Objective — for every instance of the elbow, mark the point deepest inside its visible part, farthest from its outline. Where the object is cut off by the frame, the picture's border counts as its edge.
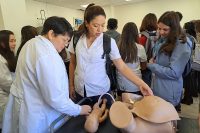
(176, 75)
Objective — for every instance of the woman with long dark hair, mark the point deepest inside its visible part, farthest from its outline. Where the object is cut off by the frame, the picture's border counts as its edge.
(27, 32)
(7, 66)
(147, 38)
(172, 52)
(133, 54)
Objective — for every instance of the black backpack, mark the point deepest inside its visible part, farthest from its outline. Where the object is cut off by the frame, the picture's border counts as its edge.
(188, 66)
(110, 67)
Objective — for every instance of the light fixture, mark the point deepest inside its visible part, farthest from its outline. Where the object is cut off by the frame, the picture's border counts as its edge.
(84, 6)
(127, 0)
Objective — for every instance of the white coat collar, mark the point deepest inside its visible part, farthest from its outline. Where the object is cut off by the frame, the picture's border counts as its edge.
(50, 44)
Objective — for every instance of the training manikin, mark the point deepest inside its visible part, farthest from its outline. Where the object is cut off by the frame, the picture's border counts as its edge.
(151, 115)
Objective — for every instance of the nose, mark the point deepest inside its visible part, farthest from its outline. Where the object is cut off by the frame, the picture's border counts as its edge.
(98, 29)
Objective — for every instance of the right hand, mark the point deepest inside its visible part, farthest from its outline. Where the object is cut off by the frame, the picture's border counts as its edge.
(85, 110)
(146, 90)
(72, 93)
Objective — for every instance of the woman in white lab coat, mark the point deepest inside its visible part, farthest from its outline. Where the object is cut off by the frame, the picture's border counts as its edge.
(39, 93)
(7, 67)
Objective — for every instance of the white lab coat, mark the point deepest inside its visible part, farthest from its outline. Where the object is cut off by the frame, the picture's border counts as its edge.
(5, 83)
(39, 93)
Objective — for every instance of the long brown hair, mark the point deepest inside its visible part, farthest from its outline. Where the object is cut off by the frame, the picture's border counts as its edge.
(197, 26)
(149, 23)
(5, 49)
(171, 19)
(27, 32)
(127, 42)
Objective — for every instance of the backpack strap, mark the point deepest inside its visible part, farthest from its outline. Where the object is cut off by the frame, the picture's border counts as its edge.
(110, 68)
(76, 37)
(148, 45)
(106, 46)
(146, 34)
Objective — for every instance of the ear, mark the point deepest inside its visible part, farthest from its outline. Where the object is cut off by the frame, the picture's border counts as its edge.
(86, 24)
(50, 34)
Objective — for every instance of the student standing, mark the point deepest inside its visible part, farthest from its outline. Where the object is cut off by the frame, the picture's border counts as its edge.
(27, 32)
(88, 76)
(148, 37)
(112, 29)
(7, 67)
(171, 55)
(134, 55)
(39, 94)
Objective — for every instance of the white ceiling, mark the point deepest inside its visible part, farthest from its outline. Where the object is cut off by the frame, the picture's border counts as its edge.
(75, 4)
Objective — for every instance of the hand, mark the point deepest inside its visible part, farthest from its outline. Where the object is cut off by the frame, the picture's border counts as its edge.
(146, 90)
(85, 110)
(72, 93)
(151, 61)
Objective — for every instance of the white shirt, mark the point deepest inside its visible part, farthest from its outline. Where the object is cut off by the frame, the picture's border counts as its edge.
(6, 79)
(90, 68)
(41, 84)
(123, 82)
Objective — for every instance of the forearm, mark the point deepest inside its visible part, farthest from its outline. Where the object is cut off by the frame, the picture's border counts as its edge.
(71, 75)
(72, 66)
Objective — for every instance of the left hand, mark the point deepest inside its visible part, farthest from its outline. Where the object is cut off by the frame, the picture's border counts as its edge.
(146, 90)
(151, 61)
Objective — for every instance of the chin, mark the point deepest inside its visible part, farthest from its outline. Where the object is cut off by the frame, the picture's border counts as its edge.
(97, 35)
(13, 50)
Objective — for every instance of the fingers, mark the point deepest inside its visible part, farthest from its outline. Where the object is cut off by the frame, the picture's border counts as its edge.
(146, 91)
(85, 110)
(89, 110)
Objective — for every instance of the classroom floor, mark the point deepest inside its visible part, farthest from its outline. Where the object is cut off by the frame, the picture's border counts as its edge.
(189, 117)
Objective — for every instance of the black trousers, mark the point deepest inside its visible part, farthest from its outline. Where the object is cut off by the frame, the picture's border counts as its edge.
(93, 99)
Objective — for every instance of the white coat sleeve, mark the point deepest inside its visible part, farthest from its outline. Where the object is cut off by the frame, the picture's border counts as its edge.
(5, 78)
(53, 83)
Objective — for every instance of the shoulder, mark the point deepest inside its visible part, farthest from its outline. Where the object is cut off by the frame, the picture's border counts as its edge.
(3, 65)
(40, 47)
(141, 49)
(183, 48)
(142, 39)
(144, 33)
(139, 46)
(2, 60)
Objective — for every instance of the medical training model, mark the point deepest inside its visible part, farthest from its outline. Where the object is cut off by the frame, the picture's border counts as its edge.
(98, 115)
(152, 115)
